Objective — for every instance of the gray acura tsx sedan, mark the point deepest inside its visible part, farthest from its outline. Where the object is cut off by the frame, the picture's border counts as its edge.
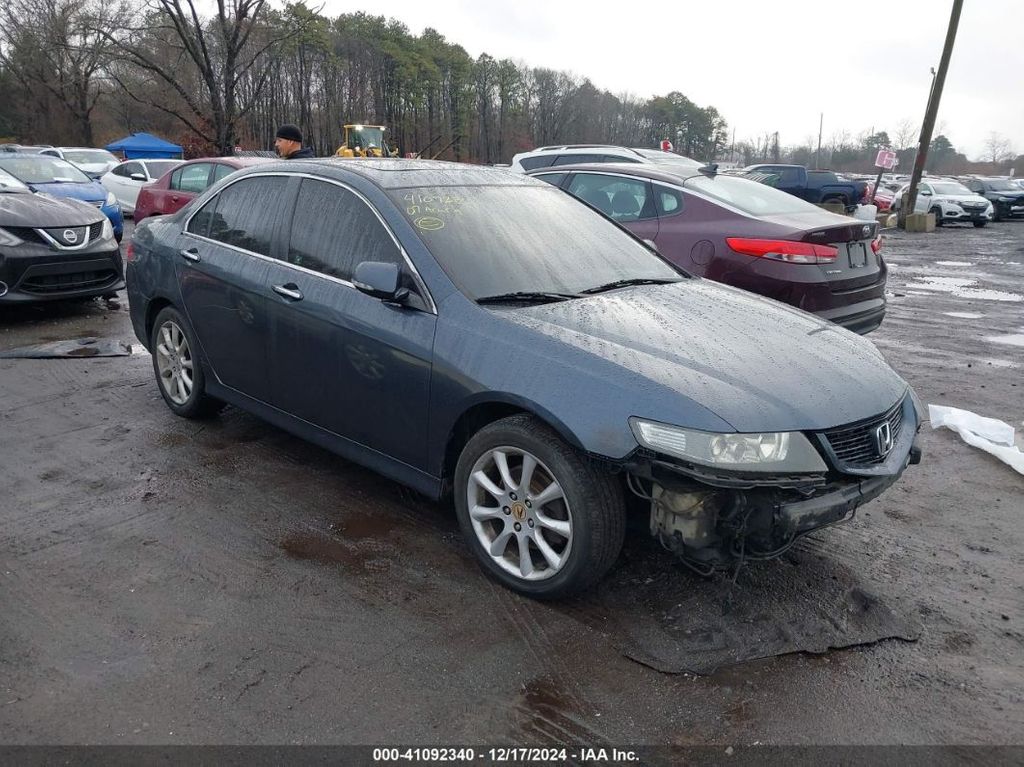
(476, 333)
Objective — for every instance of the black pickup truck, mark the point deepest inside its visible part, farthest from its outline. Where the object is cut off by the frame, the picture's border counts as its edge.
(815, 186)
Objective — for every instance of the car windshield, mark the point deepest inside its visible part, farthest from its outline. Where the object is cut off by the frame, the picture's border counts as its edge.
(999, 185)
(749, 196)
(9, 183)
(495, 240)
(41, 169)
(160, 167)
(949, 187)
(88, 156)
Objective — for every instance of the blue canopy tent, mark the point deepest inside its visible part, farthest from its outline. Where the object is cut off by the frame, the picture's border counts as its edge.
(140, 146)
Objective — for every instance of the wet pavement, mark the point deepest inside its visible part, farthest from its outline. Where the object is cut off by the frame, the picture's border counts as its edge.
(167, 581)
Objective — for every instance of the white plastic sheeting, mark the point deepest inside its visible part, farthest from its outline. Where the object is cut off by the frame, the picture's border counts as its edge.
(989, 434)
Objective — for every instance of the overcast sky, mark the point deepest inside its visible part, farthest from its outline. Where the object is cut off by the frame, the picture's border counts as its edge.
(766, 65)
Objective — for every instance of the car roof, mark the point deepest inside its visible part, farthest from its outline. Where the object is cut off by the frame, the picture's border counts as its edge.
(668, 174)
(397, 173)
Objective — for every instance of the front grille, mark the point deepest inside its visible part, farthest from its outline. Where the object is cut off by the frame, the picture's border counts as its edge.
(68, 236)
(855, 446)
(63, 283)
(94, 230)
(26, 233)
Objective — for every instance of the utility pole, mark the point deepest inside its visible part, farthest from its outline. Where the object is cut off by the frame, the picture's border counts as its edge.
(932, 110)
(817, 155)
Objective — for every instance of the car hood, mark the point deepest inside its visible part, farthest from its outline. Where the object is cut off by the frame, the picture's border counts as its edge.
(958, 198)
(43, 211)
(93, 191)
(755, 363)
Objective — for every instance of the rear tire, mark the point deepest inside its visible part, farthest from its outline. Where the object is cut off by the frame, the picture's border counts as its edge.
(570, 514)
(178, 367)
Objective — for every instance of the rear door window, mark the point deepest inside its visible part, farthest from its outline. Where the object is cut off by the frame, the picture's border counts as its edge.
(191, 178)
(246, 213)
(621, 199)
(220, 170)
(333, 230)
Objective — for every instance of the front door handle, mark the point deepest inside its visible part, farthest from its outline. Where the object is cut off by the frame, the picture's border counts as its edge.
(190, 255)
(289, 290)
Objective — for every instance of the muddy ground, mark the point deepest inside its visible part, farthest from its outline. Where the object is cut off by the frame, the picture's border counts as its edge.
(165, 581)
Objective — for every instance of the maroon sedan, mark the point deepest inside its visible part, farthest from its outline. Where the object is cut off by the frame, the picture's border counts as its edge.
(178, 187)
(741, 233)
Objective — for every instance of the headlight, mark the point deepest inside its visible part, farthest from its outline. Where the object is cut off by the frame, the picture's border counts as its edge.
(787, 451)
(7, 239)
(111, 200)
(108, 229)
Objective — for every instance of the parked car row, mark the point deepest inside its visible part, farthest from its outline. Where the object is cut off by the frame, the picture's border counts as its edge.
(482, 334)
(949, 201)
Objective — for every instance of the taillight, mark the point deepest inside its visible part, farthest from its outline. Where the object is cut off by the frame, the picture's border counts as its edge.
(876, 245)
(129, 251)
(790, 251)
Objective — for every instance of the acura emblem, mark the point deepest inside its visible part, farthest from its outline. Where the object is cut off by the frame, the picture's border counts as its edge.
(883, 439)
(70, 236)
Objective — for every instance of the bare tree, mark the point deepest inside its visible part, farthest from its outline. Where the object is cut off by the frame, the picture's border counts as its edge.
(998, 148)
(905, 134)
(224, 49)
(62, 46)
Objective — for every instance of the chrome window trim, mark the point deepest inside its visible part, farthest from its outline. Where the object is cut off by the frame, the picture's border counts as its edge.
(425, 292)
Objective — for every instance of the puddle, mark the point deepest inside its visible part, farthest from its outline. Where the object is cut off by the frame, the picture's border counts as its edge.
(71, 348)
(954, 263)
(961, 287)
(323, 550)
(1014, 340)
(964, 315)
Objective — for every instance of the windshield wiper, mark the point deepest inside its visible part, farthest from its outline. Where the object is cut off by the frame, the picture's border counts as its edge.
(627, 283)
(534, 297)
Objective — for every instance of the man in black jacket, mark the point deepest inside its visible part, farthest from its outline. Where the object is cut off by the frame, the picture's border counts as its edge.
(288, 143)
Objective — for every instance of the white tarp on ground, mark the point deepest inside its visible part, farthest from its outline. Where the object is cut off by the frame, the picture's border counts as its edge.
(989, 434)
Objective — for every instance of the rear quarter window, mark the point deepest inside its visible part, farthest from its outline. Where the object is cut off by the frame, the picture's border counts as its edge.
(539, 161)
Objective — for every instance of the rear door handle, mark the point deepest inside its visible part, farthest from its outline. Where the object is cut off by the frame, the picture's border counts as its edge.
(190, 255)
(289, 290)
(174, 197)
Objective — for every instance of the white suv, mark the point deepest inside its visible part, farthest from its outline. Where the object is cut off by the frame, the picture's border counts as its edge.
(950, 201)
(571, 154)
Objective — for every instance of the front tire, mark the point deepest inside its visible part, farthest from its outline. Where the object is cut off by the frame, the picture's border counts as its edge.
(539, 518)
(178, 367)
(980, 224)
(937, 212)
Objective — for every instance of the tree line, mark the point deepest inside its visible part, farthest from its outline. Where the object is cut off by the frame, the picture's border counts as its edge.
(87, 71)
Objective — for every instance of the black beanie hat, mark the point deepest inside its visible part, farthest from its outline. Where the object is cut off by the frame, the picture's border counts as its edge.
(290, 132)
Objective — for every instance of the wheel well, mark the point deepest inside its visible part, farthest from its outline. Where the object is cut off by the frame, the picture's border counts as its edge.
(468, 424)
(154, 308)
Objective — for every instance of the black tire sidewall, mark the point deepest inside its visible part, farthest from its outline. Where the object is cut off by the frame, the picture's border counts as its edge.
(195, 405)
(582, 485)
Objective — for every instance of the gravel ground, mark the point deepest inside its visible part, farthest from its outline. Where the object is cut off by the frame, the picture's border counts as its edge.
(164, 581)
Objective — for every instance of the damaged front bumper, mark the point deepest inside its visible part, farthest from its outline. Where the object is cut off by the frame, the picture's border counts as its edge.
(715, 520)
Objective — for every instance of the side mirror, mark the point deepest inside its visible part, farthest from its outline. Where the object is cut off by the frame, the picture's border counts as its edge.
(380, 280)
(138, 177)
(925, 193)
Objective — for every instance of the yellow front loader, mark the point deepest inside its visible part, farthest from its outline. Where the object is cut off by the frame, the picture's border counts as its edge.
(365, 141)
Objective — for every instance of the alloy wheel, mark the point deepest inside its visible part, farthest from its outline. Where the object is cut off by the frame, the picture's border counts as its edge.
(174, 363)
(519, 513)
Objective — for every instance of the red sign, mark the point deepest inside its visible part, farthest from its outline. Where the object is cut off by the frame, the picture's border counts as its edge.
(666, 145)
(886, 159)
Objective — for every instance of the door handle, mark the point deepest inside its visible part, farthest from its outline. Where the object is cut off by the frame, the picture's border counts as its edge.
(174, 197)
(190, 255)
(289, 290)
